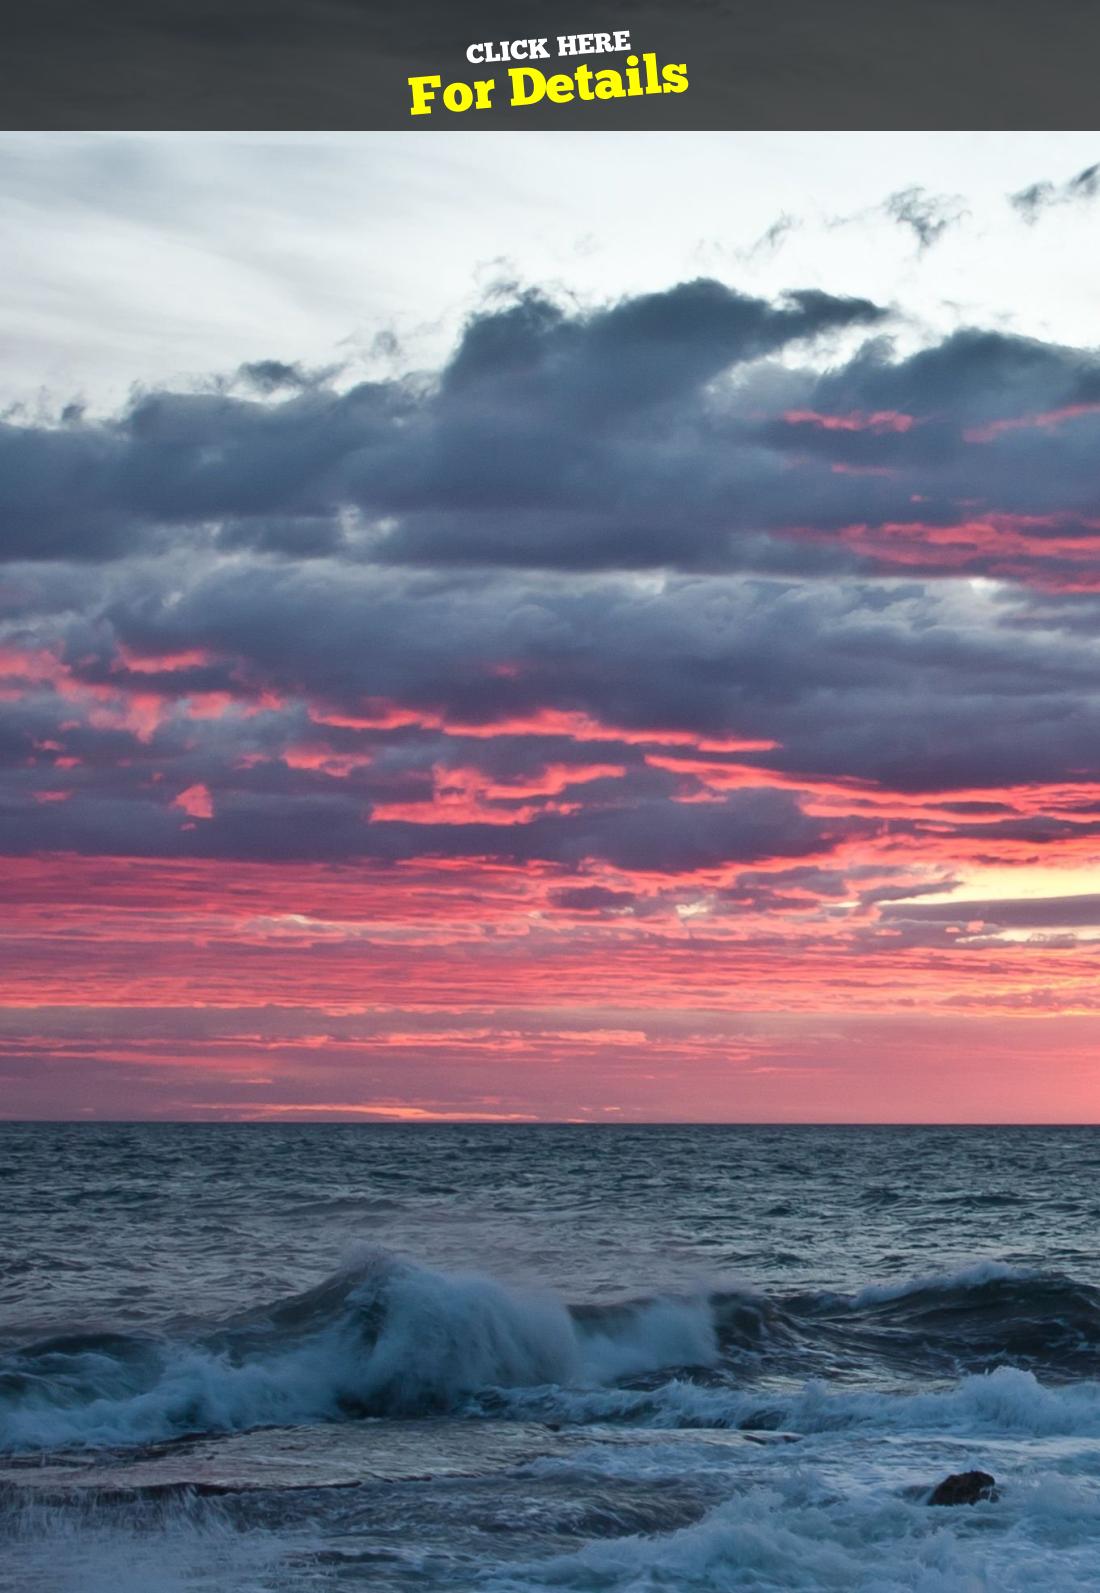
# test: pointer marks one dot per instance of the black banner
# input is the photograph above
(347, 64)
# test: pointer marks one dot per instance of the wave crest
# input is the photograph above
(386, 1338)
(393, 1339)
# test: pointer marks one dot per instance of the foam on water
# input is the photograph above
(1004, 1401)
(161, 1285)
(392, 1338)
(799, 1532)
(388, 1338)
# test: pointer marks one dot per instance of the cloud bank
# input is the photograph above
(696, 638)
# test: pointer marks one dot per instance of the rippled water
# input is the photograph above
(323, 1357)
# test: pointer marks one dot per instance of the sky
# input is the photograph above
(593, 627)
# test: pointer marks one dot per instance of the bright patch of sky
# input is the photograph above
(157, 258)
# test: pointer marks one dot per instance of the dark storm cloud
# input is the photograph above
(654, 433)
(1032, 201)
(1049, 912)
(592, 899)
(881, 894)
(893, 695)
(796, 889)
(299, 622)
(127, 817)
(804, 663)
(971, 377)
(643, 350)
(540, 416)
(304, 536)
(272, 376)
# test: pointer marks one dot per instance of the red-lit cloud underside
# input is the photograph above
(684, 769)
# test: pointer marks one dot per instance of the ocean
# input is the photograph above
(406, 1357)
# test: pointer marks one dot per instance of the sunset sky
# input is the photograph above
(565, 626)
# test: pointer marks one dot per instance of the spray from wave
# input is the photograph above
(385, 1338)
(390, 1338)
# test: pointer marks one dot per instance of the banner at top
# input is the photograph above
(572, 64)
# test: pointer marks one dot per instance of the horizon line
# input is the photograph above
(482, 1122)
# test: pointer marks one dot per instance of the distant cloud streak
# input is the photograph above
(1032, 201)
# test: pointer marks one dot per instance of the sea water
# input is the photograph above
(397, 1357)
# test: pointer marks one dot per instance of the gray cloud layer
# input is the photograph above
(627, 515)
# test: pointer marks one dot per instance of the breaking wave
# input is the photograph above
(386, 1338)
(391, 1338)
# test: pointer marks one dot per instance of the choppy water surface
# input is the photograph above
(310, 1357)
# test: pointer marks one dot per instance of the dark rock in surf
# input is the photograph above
(964, 1487)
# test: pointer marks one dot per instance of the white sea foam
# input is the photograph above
(397, 1340)
(837, 1511)
(799, 1532)
(1004, 1401)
